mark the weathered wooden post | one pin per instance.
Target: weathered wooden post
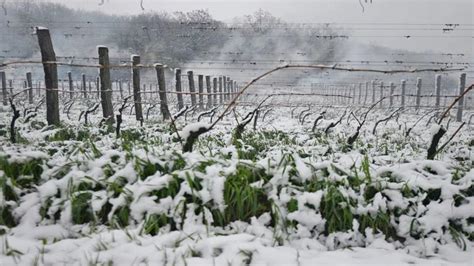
(418, 93)
(62, 88)
(29, 85)
(392, 92)
(178, 88)
(201, 91)
(160, 73)
(84, 85)
(221, 96)
(462, 84)
(224, 87)
(214, 88)
(236, 89)
(209, 92)
(192, 90)
(38, 87)
(4, 88)
(373, 91)
(438, 90)
(97, 86)
(137, 98)
(71, 85)
(105, 85)
(366, 92)
(10, 85)
(121, 89)
(403, 90)
(360, 93)
(381, 94)
(50, 75)
(231, 89)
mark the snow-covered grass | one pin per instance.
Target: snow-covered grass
(283, 196)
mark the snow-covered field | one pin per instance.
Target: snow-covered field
(281, 195)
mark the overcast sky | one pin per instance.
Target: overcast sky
(339, 11)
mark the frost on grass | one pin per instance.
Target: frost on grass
(286, 195)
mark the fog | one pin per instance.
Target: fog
(242, 41)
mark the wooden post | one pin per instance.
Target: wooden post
(97, 86)
(50, 75)
(209, 92)
(192, 90)
(229, 86)
(214, 88)
(235, 88)
(360, 93)
(4, 88)
(10, 85)
(221, 96)
(373, 91)
(462, 84)
(84, 85)
(38, 87)
(71, 85)
(418, 93)
(137, 98)
(366, 92)
(381, 94)
(201, 91)
(160, 74)
(438, 90)
(29, 85)
(231, 89)
(105, 85)
(403, 85)
(121, 89)
(178, 88)
(392, 92)
(224, 83)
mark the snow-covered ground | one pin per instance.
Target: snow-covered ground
(282, 195)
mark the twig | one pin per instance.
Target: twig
(451, 138)
(16, 115)
(321, 116)
(91, 110)
(335, 124)
(322, 67)
(119, 116)
(453, 103)
(374, 131)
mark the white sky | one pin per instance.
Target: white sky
(339, 11)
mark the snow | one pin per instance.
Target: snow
(294, 167)
(193, 127)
